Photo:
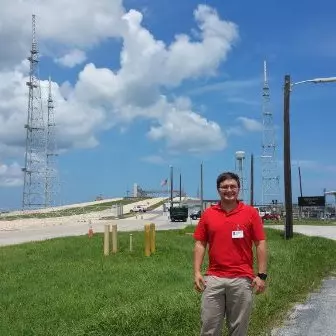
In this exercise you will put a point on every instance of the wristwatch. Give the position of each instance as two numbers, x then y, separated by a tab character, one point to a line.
262	276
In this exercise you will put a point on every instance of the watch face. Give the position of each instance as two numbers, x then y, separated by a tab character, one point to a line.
262	276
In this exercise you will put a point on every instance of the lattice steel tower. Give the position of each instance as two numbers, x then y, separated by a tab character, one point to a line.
240	171
270	177
35	155
51	180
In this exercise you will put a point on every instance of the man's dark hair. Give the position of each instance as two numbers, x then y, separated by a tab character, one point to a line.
227	176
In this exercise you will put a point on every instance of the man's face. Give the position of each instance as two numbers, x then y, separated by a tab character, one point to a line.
228	190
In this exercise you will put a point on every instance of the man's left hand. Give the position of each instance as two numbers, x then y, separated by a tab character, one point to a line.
259	285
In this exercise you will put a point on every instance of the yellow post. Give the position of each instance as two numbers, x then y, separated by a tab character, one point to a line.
147	240
106	240
131	242
152	238
114	238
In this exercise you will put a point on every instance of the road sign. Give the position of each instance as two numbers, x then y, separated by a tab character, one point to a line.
311	201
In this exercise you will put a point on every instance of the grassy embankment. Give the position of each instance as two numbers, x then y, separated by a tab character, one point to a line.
72	211
67	287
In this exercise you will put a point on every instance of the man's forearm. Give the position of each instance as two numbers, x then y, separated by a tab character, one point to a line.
199	252
262	256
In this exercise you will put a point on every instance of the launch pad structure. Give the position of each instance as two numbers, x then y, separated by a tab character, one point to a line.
164	192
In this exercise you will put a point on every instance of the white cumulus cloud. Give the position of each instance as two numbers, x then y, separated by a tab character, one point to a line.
71	59
251	125
186	131
60	24
103	98
245	125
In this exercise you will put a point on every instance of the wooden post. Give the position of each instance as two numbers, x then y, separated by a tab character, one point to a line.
131	242
107	240
147	240
114	238
152	238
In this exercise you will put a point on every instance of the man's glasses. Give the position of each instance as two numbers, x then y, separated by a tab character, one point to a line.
228	187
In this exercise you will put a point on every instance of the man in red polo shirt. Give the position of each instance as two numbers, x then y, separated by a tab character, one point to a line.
229	229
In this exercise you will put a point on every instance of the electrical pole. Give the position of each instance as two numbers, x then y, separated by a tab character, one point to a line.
287	155
300	181
300	208
252	182
180	188
201	187
287	162
171	186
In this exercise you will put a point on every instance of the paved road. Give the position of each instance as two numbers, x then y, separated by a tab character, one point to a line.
15	234
316	317
311	230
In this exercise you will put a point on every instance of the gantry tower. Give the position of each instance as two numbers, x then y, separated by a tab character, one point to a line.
270	176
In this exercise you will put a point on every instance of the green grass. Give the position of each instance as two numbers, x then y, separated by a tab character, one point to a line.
315	222
72	211
66	286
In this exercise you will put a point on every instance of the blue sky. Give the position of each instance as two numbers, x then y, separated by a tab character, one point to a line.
120	94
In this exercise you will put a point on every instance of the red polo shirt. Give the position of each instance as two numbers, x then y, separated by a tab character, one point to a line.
230	257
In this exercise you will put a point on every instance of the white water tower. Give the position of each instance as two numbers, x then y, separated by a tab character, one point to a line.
240	171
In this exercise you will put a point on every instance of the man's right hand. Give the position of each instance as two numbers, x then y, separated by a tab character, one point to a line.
199	282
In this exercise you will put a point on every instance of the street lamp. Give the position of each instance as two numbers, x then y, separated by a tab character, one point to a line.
202	195
171	185
287	157
317	80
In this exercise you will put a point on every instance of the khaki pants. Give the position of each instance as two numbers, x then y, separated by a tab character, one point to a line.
225	297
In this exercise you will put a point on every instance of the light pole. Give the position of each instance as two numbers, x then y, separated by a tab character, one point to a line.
171	185
287	157
252	181
180	188
287	163
202	188
300	181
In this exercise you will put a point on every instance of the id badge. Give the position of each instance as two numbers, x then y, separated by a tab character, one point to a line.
238	234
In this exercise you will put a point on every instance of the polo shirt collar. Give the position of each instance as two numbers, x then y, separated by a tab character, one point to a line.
235	210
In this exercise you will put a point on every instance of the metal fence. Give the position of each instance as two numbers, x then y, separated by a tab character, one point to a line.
308	212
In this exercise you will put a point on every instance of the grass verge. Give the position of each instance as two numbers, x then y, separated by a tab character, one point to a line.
67	287
313	222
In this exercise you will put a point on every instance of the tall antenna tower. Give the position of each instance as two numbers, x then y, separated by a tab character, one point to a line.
270	177
51	180
240	170
35	155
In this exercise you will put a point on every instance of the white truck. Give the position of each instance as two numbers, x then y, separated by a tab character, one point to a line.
262	212
139	208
